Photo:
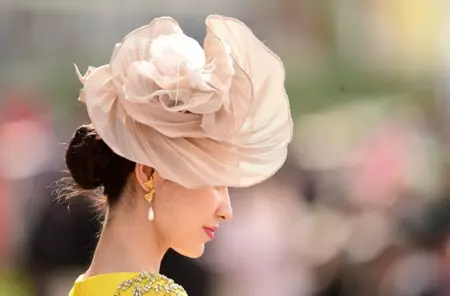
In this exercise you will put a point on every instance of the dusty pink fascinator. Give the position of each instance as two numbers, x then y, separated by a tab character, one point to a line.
216	115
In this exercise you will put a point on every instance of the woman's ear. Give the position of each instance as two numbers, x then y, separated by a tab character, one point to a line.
143	174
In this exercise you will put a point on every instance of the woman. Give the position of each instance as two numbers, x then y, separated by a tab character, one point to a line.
173	126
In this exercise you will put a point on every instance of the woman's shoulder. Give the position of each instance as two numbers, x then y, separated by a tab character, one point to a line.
127	284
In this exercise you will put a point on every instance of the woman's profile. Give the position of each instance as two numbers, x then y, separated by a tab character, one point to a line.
173	126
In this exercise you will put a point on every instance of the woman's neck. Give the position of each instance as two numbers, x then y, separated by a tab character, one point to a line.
127	244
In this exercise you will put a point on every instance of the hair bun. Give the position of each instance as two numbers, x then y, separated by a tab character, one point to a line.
88	157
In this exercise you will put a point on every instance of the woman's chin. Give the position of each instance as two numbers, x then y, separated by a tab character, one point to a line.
192	253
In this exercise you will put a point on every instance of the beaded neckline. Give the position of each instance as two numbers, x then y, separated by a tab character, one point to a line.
146	282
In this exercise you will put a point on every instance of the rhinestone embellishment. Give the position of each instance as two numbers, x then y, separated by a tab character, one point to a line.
146	282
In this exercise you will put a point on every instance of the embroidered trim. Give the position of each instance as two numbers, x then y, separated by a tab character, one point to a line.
146	282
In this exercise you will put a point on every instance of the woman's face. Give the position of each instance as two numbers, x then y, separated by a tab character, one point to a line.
186	219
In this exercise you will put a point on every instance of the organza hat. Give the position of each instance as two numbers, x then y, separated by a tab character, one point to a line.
212	116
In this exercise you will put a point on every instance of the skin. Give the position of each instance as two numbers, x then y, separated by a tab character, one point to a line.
130	242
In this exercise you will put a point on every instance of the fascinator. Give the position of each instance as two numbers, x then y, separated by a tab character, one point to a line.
216	115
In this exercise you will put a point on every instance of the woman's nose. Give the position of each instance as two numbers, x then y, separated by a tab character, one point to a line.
225	211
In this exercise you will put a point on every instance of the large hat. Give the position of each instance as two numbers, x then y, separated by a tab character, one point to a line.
212	116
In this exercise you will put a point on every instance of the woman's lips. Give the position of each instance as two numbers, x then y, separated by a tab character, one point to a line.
210	231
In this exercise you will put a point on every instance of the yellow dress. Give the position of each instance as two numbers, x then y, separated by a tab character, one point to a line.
126	284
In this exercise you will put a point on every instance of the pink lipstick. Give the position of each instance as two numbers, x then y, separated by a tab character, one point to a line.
210	231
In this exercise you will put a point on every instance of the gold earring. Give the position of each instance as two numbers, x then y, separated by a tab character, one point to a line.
149	197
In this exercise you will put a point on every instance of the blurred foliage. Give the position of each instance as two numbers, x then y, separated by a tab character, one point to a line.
341	83
13	285
63	87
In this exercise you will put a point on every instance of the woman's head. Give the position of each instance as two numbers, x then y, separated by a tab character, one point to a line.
184	217
205	117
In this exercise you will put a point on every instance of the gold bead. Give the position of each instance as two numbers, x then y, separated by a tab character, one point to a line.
149	196
149	183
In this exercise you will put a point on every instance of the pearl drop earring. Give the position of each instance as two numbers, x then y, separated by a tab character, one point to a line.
149	198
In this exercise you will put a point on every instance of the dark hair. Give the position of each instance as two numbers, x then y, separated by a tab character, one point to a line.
93	165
